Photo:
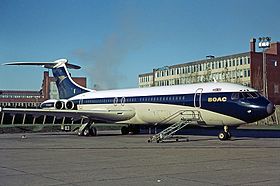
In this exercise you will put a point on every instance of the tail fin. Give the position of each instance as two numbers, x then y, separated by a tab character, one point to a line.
66	86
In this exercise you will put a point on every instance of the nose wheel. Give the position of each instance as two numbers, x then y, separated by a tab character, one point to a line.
225	135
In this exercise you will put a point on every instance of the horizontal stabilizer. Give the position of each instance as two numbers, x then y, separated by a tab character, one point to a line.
51	65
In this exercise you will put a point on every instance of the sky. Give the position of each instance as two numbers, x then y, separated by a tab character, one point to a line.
116	40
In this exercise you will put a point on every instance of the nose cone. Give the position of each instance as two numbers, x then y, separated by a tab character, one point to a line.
270	109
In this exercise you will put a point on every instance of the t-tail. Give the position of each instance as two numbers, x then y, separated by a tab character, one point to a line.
67	88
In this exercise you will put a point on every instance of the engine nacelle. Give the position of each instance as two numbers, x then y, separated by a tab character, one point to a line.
49	104
57	104
69	105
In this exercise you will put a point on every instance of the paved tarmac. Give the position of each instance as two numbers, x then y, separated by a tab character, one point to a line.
112	159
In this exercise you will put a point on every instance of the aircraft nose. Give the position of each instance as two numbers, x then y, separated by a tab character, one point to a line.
270	108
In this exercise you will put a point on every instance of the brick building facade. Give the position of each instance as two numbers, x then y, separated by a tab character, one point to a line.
272	59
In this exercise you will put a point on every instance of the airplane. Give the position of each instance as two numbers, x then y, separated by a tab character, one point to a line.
205	104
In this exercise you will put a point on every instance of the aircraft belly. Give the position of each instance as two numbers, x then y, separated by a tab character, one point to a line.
217	119
154	113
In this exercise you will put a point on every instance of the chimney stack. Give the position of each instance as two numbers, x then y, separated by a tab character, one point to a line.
253	45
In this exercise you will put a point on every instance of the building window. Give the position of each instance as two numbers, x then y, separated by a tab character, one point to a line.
245	73
241	74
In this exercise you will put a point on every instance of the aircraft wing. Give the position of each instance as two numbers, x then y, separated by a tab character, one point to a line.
95	115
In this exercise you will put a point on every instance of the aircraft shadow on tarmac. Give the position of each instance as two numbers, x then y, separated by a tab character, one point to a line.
74	133
235	132
201	131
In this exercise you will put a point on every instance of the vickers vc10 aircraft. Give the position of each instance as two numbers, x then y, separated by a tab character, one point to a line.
204	104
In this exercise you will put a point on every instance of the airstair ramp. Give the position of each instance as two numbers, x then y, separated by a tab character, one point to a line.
186	117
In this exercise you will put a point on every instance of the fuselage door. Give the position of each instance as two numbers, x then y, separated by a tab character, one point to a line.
81	102
197	98
122	101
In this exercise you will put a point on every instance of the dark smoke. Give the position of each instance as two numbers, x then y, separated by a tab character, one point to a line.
104	63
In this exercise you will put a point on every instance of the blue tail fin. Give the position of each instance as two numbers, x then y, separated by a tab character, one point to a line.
66	86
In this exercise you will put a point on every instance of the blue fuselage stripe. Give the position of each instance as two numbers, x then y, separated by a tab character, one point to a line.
245	109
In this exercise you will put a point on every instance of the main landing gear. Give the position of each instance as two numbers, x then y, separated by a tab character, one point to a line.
225	135
87	129
130	129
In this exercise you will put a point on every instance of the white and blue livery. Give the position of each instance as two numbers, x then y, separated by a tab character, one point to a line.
217	104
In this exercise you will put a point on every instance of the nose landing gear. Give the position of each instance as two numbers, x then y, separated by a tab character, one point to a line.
225	135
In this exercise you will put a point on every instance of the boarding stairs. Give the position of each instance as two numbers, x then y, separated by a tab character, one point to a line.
186	117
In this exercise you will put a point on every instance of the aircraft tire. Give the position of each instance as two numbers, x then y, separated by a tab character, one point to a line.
80	133
92	131
124	130
223	136
86	132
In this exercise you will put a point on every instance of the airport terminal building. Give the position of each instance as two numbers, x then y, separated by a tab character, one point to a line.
244	68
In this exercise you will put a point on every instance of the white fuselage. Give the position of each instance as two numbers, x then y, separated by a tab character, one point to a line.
153	105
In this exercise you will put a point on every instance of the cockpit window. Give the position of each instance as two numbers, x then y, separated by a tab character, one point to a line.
235	96
255	94
246	95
